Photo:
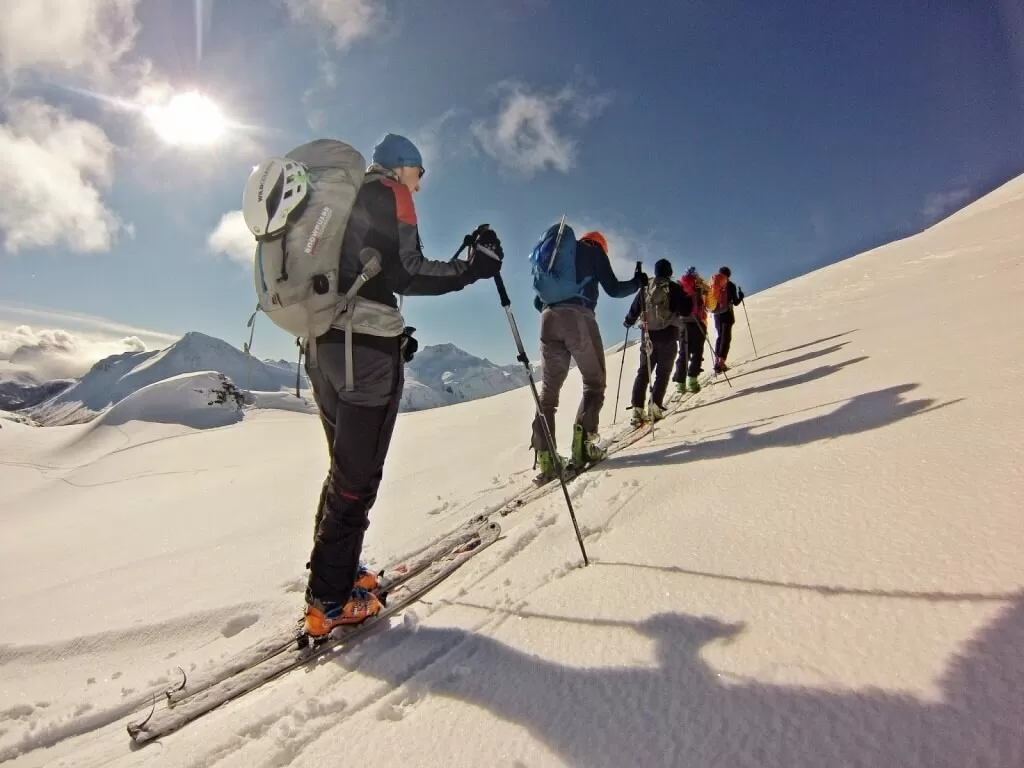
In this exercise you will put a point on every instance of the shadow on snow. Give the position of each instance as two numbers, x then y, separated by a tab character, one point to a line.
681	712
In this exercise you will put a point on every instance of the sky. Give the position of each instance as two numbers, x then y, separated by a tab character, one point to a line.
772	140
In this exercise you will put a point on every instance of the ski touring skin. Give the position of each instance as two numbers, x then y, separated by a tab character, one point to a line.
244	675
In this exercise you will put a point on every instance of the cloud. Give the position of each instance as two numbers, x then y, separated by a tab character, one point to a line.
88	325
84	36
429	139
938	205
626	247
56	353
54	167
232	238
527	135
346	20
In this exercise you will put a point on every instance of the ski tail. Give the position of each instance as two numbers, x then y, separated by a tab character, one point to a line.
299	651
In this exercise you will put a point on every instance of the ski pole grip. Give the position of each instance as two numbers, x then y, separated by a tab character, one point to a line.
502	293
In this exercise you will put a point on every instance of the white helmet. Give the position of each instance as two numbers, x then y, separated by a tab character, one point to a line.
275	188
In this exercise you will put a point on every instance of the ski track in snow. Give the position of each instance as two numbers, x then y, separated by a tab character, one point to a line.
815	565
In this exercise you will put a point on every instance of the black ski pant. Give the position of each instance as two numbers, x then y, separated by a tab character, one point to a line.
723	328
358	426
691	351
663	355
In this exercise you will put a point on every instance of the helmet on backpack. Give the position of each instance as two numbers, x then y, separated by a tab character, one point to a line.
276	188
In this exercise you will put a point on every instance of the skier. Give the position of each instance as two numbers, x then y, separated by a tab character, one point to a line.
359	420
695	330
727	295
569	332
660	308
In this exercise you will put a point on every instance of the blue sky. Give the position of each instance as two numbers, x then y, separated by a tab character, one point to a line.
774	140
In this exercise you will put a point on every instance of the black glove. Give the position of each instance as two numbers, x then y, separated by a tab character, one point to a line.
486	264
739	296
409	345
626	323
640	276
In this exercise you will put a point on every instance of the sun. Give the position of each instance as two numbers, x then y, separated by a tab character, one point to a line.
188	119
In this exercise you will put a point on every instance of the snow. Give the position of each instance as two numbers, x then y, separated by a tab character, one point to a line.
818	565
115	378
443	374
439	375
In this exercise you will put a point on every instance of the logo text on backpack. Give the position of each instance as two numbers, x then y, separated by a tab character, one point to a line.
318	230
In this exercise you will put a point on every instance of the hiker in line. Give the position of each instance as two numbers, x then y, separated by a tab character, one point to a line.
660	308
690	362
566	276
359	422
727	296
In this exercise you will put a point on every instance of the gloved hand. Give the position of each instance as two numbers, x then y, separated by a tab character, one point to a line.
626	323
485	255
409	345
640	275
739	296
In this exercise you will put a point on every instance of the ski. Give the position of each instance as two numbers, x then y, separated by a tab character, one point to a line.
393	576
624	439
301	650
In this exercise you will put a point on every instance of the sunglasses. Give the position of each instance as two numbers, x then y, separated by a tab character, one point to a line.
423	172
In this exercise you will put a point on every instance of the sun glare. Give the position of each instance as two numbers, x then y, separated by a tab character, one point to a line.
188	119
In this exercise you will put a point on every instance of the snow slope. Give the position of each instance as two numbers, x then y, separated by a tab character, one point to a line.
118	376
819	565
456	376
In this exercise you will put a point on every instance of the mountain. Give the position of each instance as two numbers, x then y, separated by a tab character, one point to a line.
439	375
453	376
822	557
114	378
17	394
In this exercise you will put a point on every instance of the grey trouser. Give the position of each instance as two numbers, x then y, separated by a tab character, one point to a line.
569	332
358	426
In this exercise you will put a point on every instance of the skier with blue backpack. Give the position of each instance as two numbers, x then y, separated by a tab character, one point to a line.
566	275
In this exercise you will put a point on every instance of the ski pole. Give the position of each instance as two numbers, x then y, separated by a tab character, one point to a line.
618	389
751	332
506	304
707	338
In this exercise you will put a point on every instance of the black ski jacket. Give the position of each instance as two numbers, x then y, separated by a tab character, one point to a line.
384	218
678	304
735	297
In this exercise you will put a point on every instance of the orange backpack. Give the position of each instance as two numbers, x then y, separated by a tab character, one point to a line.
718	300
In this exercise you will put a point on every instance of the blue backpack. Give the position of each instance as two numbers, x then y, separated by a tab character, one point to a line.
554	270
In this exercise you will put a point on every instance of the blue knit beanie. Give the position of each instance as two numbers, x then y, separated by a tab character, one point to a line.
394	151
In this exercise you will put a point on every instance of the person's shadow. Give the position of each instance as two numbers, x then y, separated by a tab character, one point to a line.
861	413
681	713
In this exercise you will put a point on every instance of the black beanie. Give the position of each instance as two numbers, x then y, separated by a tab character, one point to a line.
663	268
726	271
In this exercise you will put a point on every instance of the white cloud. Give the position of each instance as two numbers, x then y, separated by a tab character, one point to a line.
626	247
232	238
84	36
526	135
56	353
346	20
429	139
89	325
54	167
938	205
